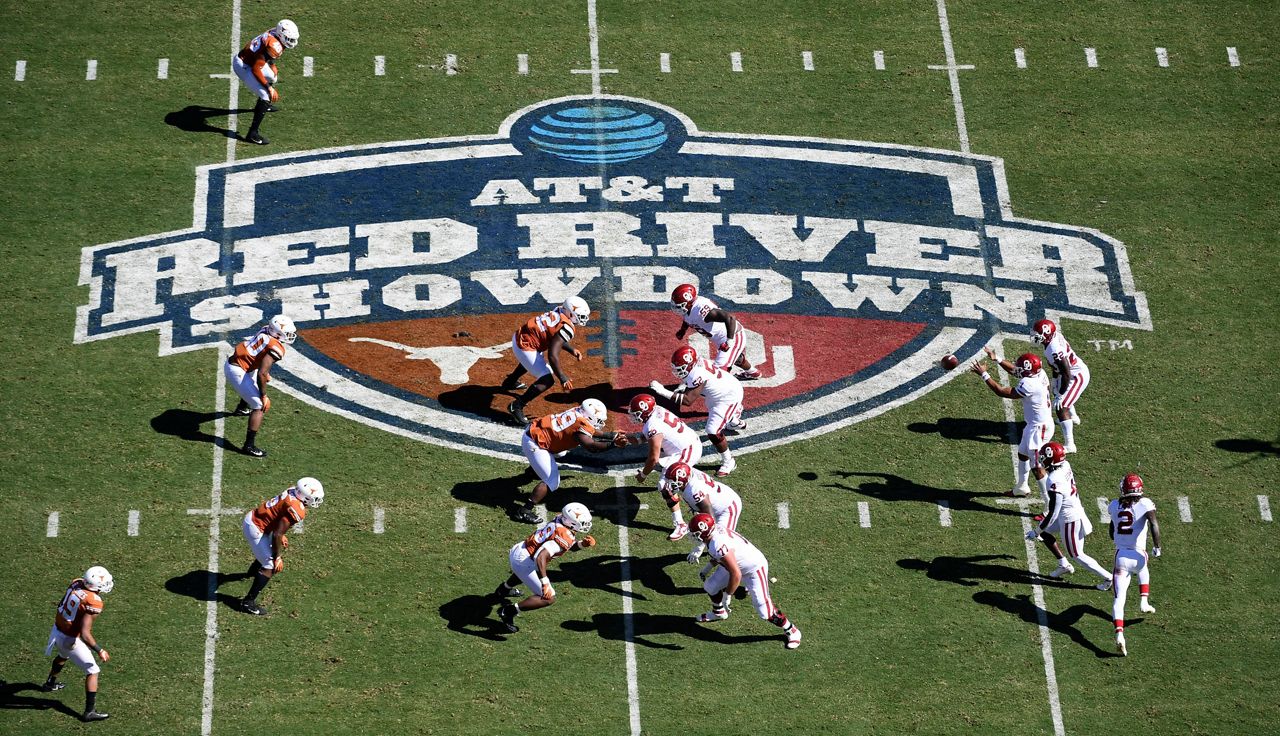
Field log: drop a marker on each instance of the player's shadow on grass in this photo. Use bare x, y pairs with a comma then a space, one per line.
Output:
613, 626
889, 487
195, 119
478, 401
1063, 623
195, 584
965, 428
470, 614
969, 571
187, 425
604, 572
1257, 449
11, 700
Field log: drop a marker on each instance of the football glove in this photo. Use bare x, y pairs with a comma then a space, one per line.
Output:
587, 542
1155, 551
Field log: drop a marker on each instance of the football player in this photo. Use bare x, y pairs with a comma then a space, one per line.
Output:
704, 495
248, 370
529, 560
670, 441
1071, 373
738, 562
717, 325
72, 636
1131, 514
537, 346
1033, 389
1065, 515
265, 528
722, 392
555, 434
255, 64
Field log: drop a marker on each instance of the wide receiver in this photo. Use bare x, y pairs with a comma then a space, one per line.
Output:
248, 371
739, 562
1131, 514
72, 636
1033, 389
255, 64
722, 392
529, 560
264, 529
555, 434
1071, 373
537, 346
720, 327
1065, 516
670, 441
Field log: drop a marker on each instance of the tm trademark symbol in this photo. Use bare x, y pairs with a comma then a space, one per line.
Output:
1112, 344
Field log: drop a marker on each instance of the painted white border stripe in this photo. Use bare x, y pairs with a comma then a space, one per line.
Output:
91, 70
1020, 58
451, 64
1103, 515
1264, 507
379, 520
20, 70
735, 61
944, 513
308, 66
162, 69
379, 66
628, 622
664, 63
1091, 57
1233, 58
460, 520
51, 527
522, 64
784, 515
134, 520
864, 515
806, 58
1162, 56
1184, 509
878, 58
953, 74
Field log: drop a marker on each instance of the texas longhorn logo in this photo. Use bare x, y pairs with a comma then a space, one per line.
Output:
407, 266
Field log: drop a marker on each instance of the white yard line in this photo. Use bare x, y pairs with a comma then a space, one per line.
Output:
1184, 509
215, 530
735, 61
877, 58
451, 64
1233, 58
944, 513
864, 514
162, 69
953, 74
51, 527
1020, 58
628, 621
1162, 56
593, 36
134, 520
522, 63
806, 60
20, 70
1046, 645
1264, 507
379, 66
1091, 57
784, 515
664, 63
379, 520
460, 520
91, 70
308, 66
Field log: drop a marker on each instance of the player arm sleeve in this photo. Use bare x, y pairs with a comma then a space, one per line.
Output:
1051, 511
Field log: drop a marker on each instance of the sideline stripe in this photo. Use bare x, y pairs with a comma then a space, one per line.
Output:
20, 70
878, 58
91, 70
735, 61
1264, 507
134, 519
1103, 515
451, 64
460, 520
1233, 58
1162, 56
522, 63
1091, 57
308, 66
784, 515
162, 69
664, 63
864, 515
944, 513
379, 520
51, 528
1184, 509
1020, 58
628, 622
953, 74
806, 58
379, 66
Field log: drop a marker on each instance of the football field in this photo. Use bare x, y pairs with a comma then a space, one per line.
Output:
846, 178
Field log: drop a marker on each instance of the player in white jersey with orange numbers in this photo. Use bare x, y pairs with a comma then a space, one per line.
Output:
738, 562
1131, 514
1032, 389
723, 331
669, 440
1071, 373
1065, 516
721, 391
704, 495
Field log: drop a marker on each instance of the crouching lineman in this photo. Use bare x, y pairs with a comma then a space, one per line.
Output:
739, 563
704, 495
558, 433
72, 636
529, 560
248, 370
1131, 514
255, 64
670, 441
722, 392
1064, 515
265, 528
723, 331
537, 346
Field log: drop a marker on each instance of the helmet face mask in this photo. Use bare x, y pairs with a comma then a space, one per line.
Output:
577, 517
595, 411
98, 579
309, 491
682, 298
677, 475
1043, 332
642, 407
283, 329
287, 31
702, 525
576, 309
682, 361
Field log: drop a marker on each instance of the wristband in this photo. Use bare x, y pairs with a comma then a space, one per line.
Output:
96, 648
986, 376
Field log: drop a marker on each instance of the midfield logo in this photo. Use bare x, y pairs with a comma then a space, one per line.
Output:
407, 266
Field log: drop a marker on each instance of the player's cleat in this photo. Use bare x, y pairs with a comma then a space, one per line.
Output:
93, 715
254, 451
257, 139
1068, 449
750, 375
512, 384
528, 516
272, 108
50, 686
1104, 585
1064, 568
712, 615
679, 532
252, 607
738, 425
1146, 607
242, 409
793, 637
507, 614
727, 467
517, 412
502, 591
1120, 645
1018, 492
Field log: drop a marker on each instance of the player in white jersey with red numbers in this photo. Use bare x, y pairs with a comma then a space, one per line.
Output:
1131, 514
720, 327
721, 391
704, 495
1065, 516
1071, 373
1032, 389
738, 562
669, 440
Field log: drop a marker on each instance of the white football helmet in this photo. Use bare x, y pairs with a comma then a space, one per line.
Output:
577, 308
282, 328
287, 31
577, 517
309, 492
98, 579
595, 411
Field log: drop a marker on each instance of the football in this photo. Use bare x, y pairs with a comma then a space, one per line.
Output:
949, 362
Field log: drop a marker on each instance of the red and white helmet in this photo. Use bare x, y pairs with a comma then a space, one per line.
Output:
702, 525
642, 407
677, 475
683, 297
683, 360
1027, 365
1131, 486
1042, 332
1052, 455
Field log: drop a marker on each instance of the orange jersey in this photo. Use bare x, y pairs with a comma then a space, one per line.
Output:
556, 432
260, 53
536, 334
285, 506
250, 351
560, 535
78, 601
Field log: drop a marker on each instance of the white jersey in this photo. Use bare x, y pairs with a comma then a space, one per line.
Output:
718, 385
676, 435
1036, 407
1130, 523
697, 319
1057, 348
702, 487
749, 557
1064, 505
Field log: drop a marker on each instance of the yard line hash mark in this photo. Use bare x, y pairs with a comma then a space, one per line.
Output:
20, 70
379, 66
91, 70
134, 520
451, 64
864, 515
379, 520
1103, 515
593, 39
162, 69
51, 528
460, 520
1264, 507
664, 63
1162, 56
1020, 58
806, 59
522, 64
1184, 509
735, 61
784, 515
944, 513
308, 66
1233, 58
1091, 57
878, 58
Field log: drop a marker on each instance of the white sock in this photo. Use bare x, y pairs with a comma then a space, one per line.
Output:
677, 518
1024, 467
1068, 431
726, 456
1044, 484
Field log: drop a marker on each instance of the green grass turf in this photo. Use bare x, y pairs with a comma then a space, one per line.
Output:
909, 627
